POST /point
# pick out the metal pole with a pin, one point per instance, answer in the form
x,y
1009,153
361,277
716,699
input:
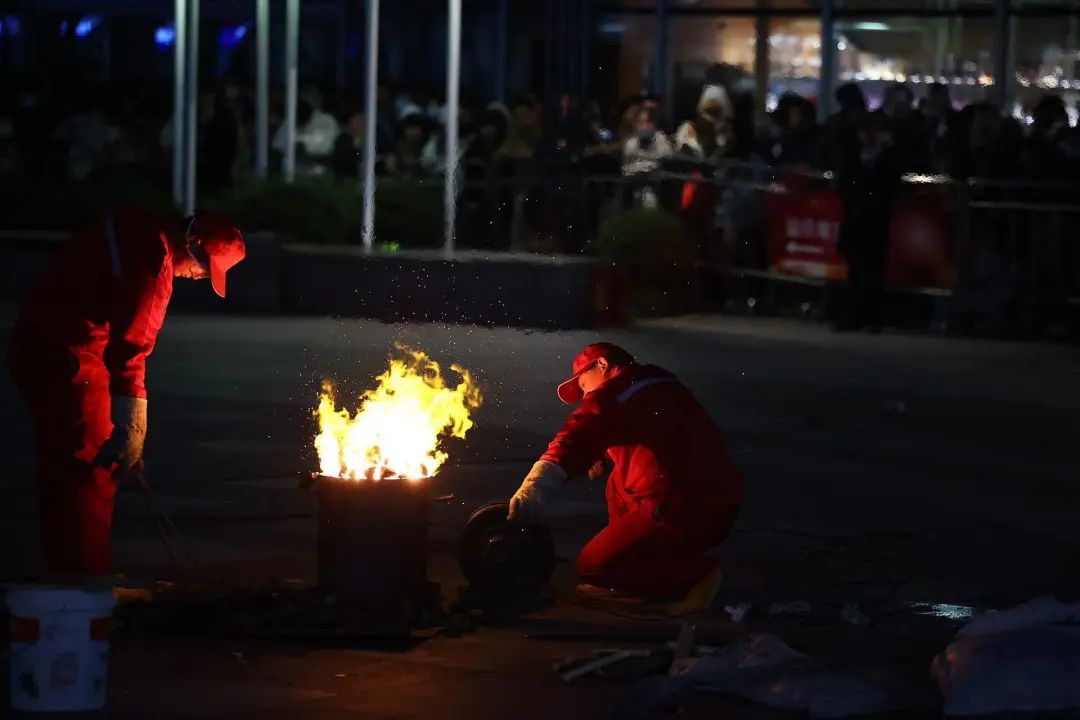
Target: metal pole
x,y
262,87
453,81
1073,38
566,69
761,69
1001,53
106,50
502,29
339,48
292,41
549,101
192,129
371,119
586,40
179,93
660,62
828,61
941,44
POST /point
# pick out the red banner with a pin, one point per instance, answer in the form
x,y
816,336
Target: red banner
x,y
804,223
921,242
803,228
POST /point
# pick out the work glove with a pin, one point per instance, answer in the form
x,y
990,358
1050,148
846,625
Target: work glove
x,y
528,506
124,447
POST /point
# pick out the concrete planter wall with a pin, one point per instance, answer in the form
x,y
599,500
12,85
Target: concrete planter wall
x,y
501,289
23,257
505,289
254,286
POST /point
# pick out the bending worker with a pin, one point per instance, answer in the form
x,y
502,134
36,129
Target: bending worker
x,y
78,356
673,491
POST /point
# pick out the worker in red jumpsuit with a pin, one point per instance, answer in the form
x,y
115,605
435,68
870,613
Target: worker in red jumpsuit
x,y
78,356
673,491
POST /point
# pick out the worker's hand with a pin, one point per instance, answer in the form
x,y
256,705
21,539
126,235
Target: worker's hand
x,y
599,470
124,447
528,506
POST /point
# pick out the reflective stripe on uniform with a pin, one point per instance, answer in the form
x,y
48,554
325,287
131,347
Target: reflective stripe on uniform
x,y
114,251
641,385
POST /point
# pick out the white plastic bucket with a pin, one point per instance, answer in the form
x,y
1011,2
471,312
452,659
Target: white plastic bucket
x,y
59,647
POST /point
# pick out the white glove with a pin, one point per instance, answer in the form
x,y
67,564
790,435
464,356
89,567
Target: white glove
x,y
124,447
528,504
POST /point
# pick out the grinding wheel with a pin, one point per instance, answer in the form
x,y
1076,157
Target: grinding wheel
x,y
503,558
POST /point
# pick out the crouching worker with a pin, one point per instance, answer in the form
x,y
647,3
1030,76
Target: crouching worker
x,y
673,491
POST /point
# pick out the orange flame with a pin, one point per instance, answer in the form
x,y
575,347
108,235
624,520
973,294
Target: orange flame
x,y
398,428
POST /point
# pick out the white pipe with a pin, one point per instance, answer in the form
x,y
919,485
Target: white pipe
x,y
179,58
292,40
192,83
262,87
371,113
453,81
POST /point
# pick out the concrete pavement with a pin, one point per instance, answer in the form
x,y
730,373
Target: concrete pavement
x,y
888,469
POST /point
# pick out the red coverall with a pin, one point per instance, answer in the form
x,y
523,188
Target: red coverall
x,y
83,334
674,490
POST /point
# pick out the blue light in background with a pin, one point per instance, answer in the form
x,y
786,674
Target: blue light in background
x,y
165,35
352,47
63,27
612,27
86,25
230,37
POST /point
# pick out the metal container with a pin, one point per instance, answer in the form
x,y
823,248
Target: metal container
x,y
373,540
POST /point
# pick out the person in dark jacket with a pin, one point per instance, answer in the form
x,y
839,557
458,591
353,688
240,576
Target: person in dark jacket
x,y
867,186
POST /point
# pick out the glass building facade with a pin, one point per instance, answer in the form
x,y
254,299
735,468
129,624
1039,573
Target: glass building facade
x,y
1007,51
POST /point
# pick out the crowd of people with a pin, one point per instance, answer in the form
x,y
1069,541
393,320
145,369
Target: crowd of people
x,y
511,152
70,130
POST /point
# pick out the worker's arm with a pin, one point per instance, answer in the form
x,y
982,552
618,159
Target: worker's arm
x,y
139,292
582,441
139,295
584,438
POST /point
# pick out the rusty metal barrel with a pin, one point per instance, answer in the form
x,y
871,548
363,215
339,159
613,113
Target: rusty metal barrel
x,y
373,540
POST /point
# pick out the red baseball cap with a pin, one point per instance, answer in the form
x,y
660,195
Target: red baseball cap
x,y
221,241
569,391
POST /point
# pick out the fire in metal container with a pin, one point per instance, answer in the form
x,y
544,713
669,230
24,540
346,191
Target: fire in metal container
x,y
375,465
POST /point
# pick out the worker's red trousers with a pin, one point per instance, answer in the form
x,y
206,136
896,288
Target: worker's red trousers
x,y
68,400
644,554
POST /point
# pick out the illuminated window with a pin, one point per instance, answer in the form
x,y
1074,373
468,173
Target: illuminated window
x,y
919,51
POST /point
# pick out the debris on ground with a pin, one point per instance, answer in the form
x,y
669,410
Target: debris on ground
x,y
1024,659
853,615
896,407
684,644
738,612
945,611
765,670
797,607
601,659
634,663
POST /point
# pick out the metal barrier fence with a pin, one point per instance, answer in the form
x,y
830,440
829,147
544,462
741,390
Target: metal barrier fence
x,y
1018,261
1002,252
